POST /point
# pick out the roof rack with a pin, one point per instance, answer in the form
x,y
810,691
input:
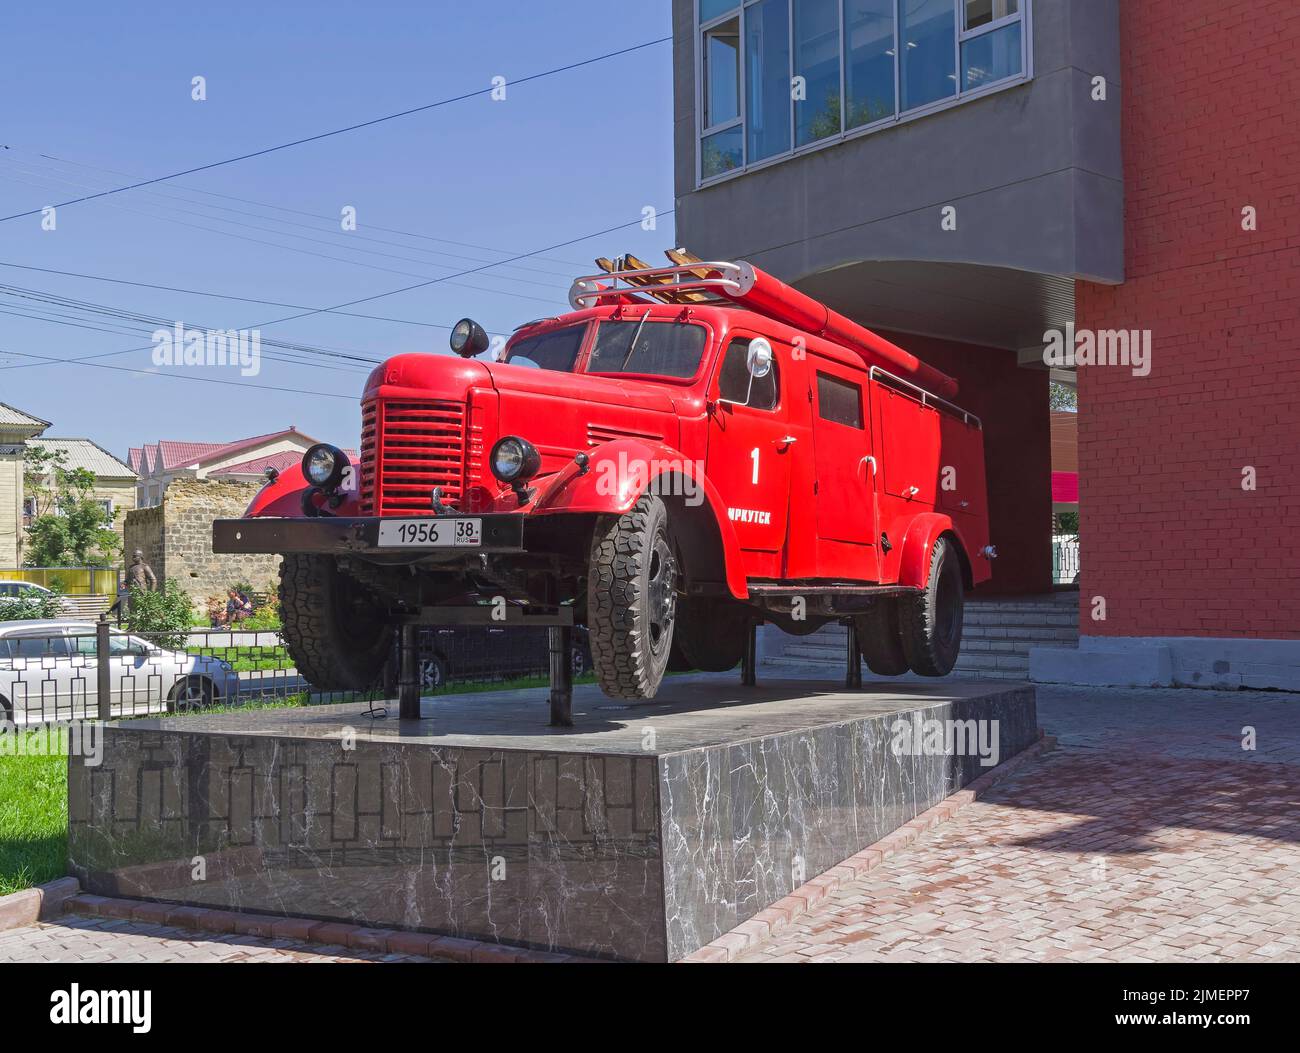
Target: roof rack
x,y
682,283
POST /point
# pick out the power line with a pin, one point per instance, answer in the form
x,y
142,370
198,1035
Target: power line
x,y
327,256
332,220
339,131
222,296
186,376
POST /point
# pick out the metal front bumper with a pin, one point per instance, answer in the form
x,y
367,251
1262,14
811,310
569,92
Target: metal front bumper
x,y
502,532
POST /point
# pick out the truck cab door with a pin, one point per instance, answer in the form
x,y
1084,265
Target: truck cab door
x,y
750,451
847,470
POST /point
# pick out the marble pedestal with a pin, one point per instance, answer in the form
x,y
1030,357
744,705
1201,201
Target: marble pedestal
x,y
642,833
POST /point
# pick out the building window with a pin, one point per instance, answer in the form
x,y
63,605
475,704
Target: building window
x,y
780,76
29,511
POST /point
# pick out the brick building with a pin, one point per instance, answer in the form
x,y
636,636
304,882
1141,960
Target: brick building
x,y
990,181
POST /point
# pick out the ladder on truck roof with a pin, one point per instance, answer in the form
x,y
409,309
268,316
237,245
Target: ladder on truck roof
x,y
691,280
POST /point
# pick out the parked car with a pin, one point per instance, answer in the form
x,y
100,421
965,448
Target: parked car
x,y
18,590
485,652
49,670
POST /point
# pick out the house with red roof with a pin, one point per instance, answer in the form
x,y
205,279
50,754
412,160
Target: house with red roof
x,y
242,460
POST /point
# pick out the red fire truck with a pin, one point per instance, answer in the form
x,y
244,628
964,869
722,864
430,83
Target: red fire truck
x,y
691,450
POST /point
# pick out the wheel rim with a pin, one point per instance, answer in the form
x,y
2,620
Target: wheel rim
x,y
577,662
194,695
661,594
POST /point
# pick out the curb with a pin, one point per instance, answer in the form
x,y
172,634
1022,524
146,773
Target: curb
x,y
20,909
331,933
767,922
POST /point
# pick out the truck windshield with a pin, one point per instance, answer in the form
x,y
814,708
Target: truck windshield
x,y
663,349
556,350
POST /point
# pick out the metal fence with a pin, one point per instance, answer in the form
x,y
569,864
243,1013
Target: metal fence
x,y
72,581
1065,559
95,670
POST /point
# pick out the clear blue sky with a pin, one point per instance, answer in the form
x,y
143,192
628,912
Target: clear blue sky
x,y
108,87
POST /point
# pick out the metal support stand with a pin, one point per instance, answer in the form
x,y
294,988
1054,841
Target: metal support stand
x,y
853,660
103,669
561,655
408,679
749,664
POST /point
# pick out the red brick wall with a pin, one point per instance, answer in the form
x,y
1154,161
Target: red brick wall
x,y
1012,404
1211,123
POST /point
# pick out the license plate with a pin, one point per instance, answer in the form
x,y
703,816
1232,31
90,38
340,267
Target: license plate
x,y
431,533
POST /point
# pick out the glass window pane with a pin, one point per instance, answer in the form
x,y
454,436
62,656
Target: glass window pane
x,y
817,60
720,152
736,385
991,57
767,80
926,34
713,8
869,62
982,12
557,350
839,401
663,349
722,73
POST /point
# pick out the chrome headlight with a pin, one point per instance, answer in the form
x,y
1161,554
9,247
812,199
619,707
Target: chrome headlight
x,y
323,465
515,460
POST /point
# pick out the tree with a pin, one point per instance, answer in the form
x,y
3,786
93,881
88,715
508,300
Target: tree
x,y
70,527
1063,397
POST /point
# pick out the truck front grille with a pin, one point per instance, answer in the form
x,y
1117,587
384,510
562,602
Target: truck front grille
x,y
408,448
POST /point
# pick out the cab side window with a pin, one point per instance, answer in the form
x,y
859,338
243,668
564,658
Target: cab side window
x,y
839,401
734,380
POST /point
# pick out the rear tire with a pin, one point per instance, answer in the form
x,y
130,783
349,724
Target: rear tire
x,y
192,694
711,634
632,600
880,638
334,630
931,622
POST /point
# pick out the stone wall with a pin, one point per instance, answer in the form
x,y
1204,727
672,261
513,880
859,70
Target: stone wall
x,y
176,537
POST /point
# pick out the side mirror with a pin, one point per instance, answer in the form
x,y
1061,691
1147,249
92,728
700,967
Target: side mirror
x,y
468,338
758,359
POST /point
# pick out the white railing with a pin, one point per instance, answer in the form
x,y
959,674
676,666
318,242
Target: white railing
x,y
1065,559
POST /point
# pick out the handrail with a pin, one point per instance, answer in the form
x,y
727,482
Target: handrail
x,y
927,397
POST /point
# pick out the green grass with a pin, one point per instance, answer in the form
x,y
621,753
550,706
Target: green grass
x,y
248,660
33,819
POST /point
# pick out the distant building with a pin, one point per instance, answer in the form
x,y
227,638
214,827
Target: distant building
x,y
16,427
243,460
115,482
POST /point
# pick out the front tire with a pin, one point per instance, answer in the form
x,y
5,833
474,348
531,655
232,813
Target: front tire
x,y
334,630
931,622
632,600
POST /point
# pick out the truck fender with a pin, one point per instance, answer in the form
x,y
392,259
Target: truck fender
x,y
918,543
283,496
620,471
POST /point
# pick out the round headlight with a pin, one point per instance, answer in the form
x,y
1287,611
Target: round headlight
x,y
515,459
323,465
468,338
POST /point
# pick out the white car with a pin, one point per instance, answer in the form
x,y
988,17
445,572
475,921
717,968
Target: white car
x,y
17,590
49,671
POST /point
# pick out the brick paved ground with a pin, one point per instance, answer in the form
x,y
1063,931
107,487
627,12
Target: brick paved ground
x,y
1148,835
74,938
